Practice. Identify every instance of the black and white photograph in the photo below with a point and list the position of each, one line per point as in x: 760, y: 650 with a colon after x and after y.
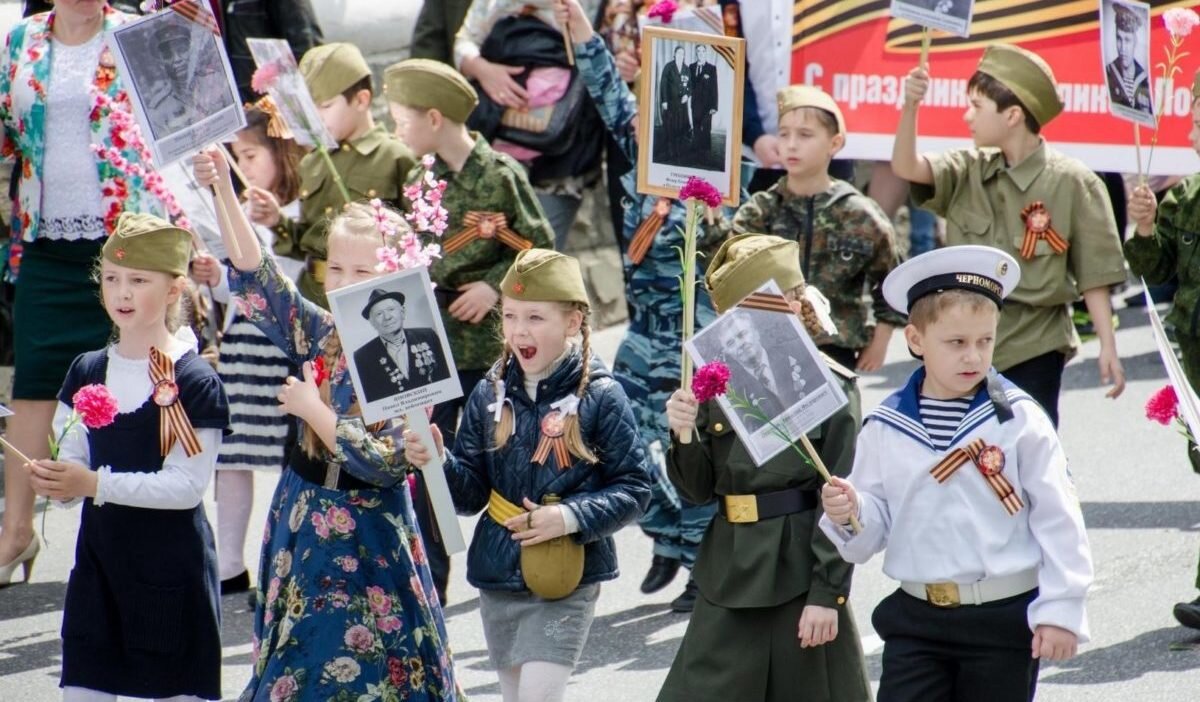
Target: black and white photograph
x: 691, y: 110
x: 1125, y: 52
x: 180, y: 82
x: 952, y: 16
x: 290, y: 94
x: 395, y: 344
x: 789, y: 385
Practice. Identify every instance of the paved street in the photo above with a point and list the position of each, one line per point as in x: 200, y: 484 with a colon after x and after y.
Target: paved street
x: 1140, y: 498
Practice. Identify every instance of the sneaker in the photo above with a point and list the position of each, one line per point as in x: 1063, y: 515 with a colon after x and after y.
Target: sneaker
x: 1188, y: 613
x: 687, y: 601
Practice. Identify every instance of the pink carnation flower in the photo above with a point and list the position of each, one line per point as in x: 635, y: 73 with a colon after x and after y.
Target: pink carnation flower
x: 264, y: 78
x: 700, y: 189
x: 96, y: 406
x: 665, y: 9
x: 1180, y: 21
x: 711, y: 380
x: 1163, y: 406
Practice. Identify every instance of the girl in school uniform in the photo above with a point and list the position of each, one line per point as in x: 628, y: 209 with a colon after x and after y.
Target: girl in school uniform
x: 549, y: 446
x: 349, y: 609
x: 142, y: 617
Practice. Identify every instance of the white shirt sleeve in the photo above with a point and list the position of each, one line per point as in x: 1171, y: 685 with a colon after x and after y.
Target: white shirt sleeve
x: 475, y: 27
x: 180, y: 484
x: 873, y: 514
x: 570, y: 521
x: 74, y: 446
x: 1056, y: 521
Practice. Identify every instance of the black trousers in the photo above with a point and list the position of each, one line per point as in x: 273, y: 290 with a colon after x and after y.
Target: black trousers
x: 1041, y: 377
x: 445, y: 416
x: 966, y: 654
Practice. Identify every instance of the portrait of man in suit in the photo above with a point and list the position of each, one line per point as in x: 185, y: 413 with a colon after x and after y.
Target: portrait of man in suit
x: 704, y: 101
x: 398, y: 359
x: 773, y: 381
x: 1128, y: 82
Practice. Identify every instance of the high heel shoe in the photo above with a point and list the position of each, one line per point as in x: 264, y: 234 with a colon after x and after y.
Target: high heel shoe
x: 26, y: 559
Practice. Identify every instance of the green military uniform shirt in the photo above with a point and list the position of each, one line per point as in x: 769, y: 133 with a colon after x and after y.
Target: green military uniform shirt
x: 982, y: 201
x: 1174, y: 250
x: 846, y: 243
x: 488, y: 182
x: 372, y: 166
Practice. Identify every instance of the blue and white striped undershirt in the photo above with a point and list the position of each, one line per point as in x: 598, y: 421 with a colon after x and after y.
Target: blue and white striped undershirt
x: 942, y: 419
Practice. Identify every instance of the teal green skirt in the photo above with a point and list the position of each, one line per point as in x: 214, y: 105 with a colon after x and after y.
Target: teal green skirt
x: 57, y: 314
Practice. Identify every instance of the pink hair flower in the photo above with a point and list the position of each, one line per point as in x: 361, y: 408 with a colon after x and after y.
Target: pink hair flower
x: 702, y: 190
x: 96, y: 406
x: 1180, y: 21
x: 1163, y: 406
x: 711, y: 380
x: 664, y: 9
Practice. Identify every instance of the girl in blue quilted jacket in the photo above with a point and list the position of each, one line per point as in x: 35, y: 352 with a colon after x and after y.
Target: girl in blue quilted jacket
x: 548, y: 445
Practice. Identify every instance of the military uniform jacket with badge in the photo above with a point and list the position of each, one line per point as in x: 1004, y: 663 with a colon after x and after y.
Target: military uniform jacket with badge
x: 1174, y: 250
x: 488, y: 182
x: 959, y: 530
x: 983, y: 200
x: 846, y: 243
x: 372, y: 166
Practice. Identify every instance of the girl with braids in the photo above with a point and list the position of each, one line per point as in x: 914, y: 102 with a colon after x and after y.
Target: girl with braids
x: 772, y: 620
x: 548, y: 445
x: 347, y: 607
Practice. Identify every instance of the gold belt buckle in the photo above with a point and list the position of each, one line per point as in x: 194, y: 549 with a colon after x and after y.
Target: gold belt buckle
x: 943, y: 595
x: 741, y: 509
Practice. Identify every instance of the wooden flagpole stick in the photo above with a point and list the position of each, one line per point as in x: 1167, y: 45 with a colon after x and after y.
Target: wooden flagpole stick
x: 15, y: 450
x: 566, y: 34
x: 926, y: 39
x: 226, y: 224
x: 820, y: 466
x: 237, y: 171
x: 1137, y: 142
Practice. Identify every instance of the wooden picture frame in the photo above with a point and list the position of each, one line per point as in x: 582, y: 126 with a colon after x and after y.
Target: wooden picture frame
x: 672, y: 149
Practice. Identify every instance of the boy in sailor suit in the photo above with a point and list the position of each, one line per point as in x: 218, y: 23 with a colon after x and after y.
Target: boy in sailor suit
x: 961, y: 477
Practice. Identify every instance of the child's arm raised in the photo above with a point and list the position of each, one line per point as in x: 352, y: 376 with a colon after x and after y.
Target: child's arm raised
x: 211, y: 169
x: 906, y: 162
x: 598, y: 69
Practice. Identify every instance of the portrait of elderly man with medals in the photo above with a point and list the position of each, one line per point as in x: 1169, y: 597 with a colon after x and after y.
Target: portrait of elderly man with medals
x: 398, y: 359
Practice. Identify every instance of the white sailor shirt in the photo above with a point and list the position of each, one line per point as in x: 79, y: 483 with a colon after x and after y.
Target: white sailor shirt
x: 959, y: 531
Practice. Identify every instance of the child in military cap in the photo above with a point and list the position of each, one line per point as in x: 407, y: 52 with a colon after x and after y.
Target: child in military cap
x: 143, y: 465
x: 371, y: 162
x: 1017, y: 193
x: 1162, y: 249
x: 846, y: 241
x: 549, y: 447
x: 769, y: 580
x: 961, y: 477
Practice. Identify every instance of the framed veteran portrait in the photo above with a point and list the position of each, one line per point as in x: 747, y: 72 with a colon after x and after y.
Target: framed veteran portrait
x: 1125, y: 53
x: 394, y: 342
x: 952, y: 16
x: 179, y: 79
x: 690, y: 112
x: 774, y: 366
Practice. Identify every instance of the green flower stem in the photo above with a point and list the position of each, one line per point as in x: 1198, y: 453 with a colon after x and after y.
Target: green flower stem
x: 337, y: 177
x: 812, y: 458
x: 687, y: 291
x: 1170, y: 68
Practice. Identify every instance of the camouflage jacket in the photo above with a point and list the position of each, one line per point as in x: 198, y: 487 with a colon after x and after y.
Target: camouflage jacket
x: 488, y: 182
x: 653, y: 283
x: 846, y: 244
x: 1174, y: 250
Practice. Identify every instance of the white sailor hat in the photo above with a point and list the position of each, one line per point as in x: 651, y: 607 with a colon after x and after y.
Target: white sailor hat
x: 982, y: 269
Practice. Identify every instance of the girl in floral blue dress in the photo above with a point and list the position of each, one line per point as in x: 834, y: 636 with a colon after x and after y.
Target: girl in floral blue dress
x: 346, y: 609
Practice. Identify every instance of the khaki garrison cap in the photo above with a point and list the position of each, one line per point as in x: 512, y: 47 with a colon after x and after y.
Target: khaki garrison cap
x: 794, y: 96
x: 542, y: 275
x: 149, y: 243
x: 746, y: 262
x: 430, y: 85
x: 330, y: 69
x: 1028, y: 76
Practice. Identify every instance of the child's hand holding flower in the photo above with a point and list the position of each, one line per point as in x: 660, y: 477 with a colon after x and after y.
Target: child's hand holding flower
x: 682, y: 407
x: 62, y: 480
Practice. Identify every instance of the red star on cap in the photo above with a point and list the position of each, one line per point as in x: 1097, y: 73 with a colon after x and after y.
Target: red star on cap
x: 120, y: 254
x: 518, y: 288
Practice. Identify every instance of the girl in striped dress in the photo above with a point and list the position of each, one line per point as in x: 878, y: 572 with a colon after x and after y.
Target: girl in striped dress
x: 251, y: 367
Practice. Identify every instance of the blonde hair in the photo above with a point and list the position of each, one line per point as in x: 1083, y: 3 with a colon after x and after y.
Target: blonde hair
x: 572, y: 432
x: 358, y: 219
x: 929, y: 308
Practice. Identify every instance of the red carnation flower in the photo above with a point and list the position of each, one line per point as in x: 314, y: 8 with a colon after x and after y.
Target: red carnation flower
x: 711, y: 380
x: 1163, y: 406
x: 665, y: 9
x: 96, y: 406
x: 702, y: 190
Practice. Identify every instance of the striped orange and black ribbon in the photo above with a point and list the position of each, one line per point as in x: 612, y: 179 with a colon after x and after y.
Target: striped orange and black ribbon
x: 173, y: 421
x: 193, y: 11
x: 999, y: 484
x: 768, y: 302
x: 648, y: 229
x: 485, y: 225
x: 713, y: 19
x: 555, y: 444
x: 1042, y: 228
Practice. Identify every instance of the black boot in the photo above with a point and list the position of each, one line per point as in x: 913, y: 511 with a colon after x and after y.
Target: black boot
x: 1188, y: 613
x: 662, y: 572
x: 238, y: 583
x: 687, y: 601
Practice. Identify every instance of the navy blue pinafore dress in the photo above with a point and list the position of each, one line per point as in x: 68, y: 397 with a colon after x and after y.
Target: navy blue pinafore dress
x: 142, y: 613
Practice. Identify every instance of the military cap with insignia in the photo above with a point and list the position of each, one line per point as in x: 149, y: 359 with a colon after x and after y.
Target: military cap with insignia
x: 149, y: 243
x: 379, y: 295
x: 1028, y: 76
x: 430, y: 85
x: 795, y: 96
x: 746, y: 262
x: 330, y: 69
x: 171, y: 32
x: 980, y: 269
x: 542, y: 275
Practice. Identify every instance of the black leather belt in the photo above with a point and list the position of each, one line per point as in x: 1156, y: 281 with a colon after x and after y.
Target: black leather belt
x: 314, y: 471
x: 745, y: 509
